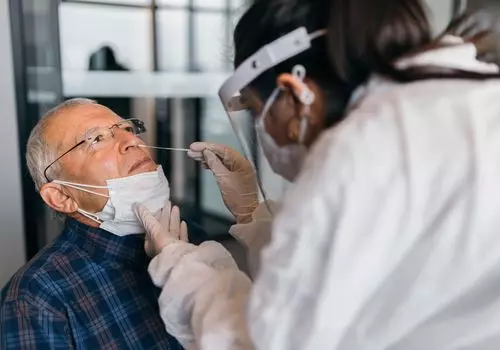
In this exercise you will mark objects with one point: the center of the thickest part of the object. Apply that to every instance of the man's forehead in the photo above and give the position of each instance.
(70, 125)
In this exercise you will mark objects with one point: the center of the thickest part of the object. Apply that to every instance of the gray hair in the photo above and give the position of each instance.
(38, 152)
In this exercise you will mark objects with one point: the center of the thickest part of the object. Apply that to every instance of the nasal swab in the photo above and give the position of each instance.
(167, 148)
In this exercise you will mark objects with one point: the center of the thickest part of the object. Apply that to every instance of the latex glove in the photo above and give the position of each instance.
(235, 177)
(161, 231)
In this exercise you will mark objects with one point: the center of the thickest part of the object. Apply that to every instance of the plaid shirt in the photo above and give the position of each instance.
(89, 290)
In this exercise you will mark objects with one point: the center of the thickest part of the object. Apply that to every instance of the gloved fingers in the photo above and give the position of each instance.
(198, 156)
(223, 152)
(165, 215)
(184, 232)
(217, 148)
(147, 219)
(469, 25)
(232, 159)
(200, 146)
(215, 164)
(148, 247)
(175, 223)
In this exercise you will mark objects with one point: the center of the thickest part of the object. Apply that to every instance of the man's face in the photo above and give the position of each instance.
(118, 157)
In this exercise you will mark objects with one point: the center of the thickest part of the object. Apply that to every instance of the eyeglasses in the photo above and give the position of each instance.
(97, 138)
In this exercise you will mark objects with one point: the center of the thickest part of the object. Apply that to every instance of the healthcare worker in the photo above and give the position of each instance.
(388, 238)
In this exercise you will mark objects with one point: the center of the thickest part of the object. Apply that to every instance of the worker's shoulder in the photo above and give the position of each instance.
(45, 277)
(421, 98)
(388, 95)
(393, 111)
(389, 116)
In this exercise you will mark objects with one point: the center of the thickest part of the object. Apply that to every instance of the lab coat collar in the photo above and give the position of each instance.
(455, 54)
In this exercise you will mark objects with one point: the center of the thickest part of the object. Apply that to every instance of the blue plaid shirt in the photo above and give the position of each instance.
(89, 290)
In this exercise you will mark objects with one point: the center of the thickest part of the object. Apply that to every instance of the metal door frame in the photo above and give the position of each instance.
(12, 250)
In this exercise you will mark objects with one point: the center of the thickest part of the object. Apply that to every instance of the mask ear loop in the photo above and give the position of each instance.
(259, 123)
(79, 187)
(267, 107)
(89, 215)
(82, 187)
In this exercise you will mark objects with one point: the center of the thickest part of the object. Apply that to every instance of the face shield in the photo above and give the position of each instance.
(251, 118)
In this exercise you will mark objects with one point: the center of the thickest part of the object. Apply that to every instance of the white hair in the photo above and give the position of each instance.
(39, 154)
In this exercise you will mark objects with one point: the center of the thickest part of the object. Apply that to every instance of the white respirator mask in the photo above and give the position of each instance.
(285, 160)
(118, 217)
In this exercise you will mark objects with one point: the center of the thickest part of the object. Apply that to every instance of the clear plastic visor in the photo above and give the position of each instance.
(245, 106)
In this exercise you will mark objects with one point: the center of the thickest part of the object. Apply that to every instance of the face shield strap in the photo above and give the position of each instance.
(267, 107)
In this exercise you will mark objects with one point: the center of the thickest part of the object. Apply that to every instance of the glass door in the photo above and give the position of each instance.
(35, 35)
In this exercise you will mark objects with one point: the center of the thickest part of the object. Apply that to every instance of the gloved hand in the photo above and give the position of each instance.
(235, 176)
(160, 232)
(476, 28)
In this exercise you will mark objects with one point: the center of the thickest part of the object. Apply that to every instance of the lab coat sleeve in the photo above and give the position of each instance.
(203, 297)
(256, 234)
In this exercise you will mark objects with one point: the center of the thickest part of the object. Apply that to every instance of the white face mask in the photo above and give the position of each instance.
(117, 216)
(286, 160)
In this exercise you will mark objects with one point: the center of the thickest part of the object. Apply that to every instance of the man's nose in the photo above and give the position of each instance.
(126, 140)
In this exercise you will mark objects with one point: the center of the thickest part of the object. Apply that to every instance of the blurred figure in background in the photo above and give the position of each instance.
(104, 59)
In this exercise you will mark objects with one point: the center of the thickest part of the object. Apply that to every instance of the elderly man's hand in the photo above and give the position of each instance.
(161, 231)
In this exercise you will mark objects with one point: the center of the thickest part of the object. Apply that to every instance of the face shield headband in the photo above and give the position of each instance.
(267, 57)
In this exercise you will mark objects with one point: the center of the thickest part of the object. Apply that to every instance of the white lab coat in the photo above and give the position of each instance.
(388, 240)
(255, 235)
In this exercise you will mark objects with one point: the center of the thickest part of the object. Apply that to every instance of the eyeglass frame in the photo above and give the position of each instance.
(137, 122)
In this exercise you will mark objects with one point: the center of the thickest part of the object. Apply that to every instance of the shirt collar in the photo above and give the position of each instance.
(98, 242)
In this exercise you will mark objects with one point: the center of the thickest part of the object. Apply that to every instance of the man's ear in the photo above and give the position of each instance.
(56, 198)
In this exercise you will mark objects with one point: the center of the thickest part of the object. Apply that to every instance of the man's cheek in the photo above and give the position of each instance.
(103, 168)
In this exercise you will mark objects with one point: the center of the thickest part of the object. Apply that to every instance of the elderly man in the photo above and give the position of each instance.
(90, 289)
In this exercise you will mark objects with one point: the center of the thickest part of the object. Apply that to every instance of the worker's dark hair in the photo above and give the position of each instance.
(363, 37)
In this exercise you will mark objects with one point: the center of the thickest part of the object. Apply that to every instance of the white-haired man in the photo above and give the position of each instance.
(90, 288)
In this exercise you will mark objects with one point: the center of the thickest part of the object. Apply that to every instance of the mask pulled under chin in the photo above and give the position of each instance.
(118, 217)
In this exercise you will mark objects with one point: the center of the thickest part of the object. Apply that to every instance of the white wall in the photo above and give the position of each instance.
(12, 254)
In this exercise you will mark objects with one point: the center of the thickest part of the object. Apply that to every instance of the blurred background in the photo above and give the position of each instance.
(159, 60)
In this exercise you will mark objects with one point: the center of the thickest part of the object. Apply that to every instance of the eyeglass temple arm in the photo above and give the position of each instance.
(58, 158)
